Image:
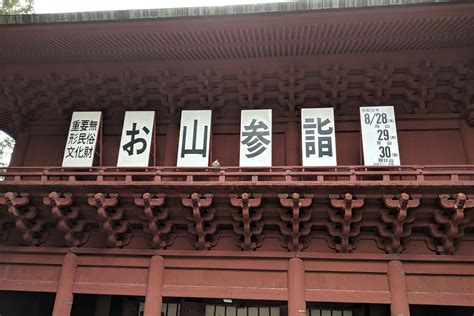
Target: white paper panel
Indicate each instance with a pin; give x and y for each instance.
(194, 138)
(256, 138)
(318, 137)
(136, 141)
(82, 139)
(379, 136)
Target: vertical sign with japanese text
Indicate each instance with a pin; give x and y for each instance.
(379, 136)
(136, 141)
(256, 138)
(82, 139)
(318, 136)
(194, 138)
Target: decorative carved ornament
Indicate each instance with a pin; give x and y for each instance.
(26, 217)
(201, 222)
(158, 223)
(345, 222)
(112, 219)
(295, 224)
(69, 221)
(397, 219)
(448, 228)
(248, 223)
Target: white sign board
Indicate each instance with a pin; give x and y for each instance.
(256, 138)
(379, 136)
(194, 138)
(136, 139)
(318, 137)
(81, 140)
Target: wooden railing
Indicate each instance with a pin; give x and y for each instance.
(290, 174)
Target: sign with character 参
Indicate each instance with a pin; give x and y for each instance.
(318, 136)
(256, 138)
(379, 136)
(136, 141)
(82, 139)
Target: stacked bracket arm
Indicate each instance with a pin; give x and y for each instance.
(397, 220)
(345, 221)
(248, 223)
(201, 222)
(158, 223)
(448, 229)
(69, 221)
(295, 224)
(26, 218)
(112, 219)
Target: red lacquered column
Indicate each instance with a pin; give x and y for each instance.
(64, 295)
(292, 141)
(154, 289)
(296, 288)
(398, 289)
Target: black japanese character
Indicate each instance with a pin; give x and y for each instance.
(193, 149)
(325, 146)
(129, 147)
(72, 138)
(321, 131)
(84, 125)
(93, 125)
(75, 126)
(71, 152)
(255, 140)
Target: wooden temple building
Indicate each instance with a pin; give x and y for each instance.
(232, 241)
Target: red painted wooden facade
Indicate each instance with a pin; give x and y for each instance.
(348, 234)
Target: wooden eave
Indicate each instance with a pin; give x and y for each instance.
(287, 34)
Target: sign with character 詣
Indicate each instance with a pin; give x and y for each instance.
(318, 137)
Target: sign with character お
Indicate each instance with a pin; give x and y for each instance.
(136, 141)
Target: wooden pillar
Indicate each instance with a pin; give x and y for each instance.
(398, 289)
(292, 142)
(19, 152)
(171, 145)
(154, 289)
(296, 288)
(467, 137)
(64, 295)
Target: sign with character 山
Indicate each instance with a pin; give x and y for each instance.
(318, 136)
(194, 138)
(379, 136)
(256, 138)
(136, 141)
(82, 139)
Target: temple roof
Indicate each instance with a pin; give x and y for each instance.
(259, 8)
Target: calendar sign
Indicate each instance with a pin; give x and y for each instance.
(379, 136)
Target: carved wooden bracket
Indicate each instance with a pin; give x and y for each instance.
(26, 218)
(397, 220)
(112, 218)
(248, 224)
(344, 225)
(159, 226)
(69, 221)
(295, 225)
(201, 223)
(448, 229)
